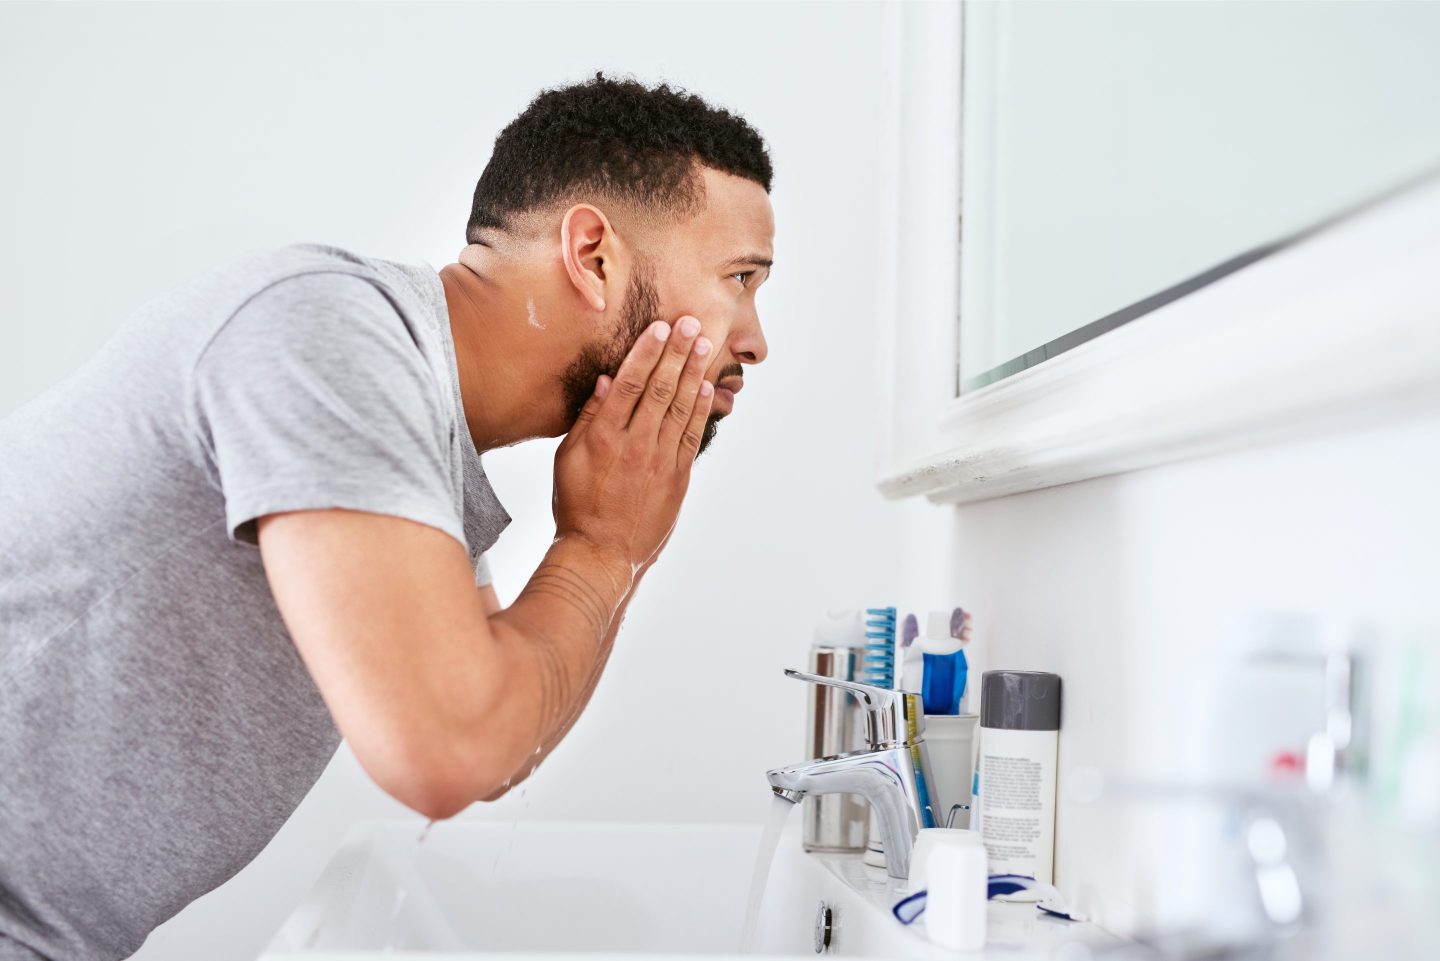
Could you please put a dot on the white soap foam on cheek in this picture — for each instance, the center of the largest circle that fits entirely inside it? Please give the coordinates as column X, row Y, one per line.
column 530, row 316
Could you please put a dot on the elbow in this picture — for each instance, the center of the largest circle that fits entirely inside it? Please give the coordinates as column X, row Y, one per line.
column 438, row 762
column 441, row 777
column 436, row 802
column 437, row 792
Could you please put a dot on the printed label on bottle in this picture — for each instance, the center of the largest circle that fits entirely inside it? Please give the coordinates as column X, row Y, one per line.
column 1015, row 801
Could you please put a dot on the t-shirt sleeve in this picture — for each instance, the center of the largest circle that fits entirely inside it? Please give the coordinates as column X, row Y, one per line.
column 314, row 395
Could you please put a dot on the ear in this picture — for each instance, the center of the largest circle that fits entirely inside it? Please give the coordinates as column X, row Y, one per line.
column 587, row 247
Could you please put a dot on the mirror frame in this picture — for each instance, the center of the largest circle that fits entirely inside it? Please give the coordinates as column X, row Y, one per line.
column 1338, row 330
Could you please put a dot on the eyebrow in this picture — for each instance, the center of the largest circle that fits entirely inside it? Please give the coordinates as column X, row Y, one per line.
column 749, row 260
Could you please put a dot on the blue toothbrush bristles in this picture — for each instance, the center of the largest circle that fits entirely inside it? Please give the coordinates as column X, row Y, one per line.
column 878, row 667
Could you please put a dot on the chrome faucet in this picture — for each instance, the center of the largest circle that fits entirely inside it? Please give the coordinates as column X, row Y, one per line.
column 892, row 772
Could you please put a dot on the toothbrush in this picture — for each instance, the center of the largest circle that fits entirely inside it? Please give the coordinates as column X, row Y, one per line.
column 879, row 662
column 880, row 671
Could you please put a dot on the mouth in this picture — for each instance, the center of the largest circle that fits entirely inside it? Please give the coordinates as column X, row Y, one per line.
column 727, row 388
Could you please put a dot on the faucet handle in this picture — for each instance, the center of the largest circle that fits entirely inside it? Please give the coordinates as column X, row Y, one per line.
column 886, row 711
column 869, row 696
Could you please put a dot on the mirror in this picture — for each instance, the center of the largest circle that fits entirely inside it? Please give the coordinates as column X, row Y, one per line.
column 1117, row 155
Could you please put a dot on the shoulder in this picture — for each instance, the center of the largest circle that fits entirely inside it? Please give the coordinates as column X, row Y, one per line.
column 295, row 269
column 325, row 327
column 314, row 291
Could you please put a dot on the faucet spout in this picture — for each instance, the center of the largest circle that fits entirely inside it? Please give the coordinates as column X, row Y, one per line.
column 794, row 797
column 891, row 773
column 892, row 780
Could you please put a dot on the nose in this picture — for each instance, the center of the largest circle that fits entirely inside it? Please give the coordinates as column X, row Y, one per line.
column 747, row 341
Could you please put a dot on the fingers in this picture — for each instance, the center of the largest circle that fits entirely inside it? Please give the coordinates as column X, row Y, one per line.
column 631, row 380
column 695, row 428
column 588, row 412
column 660, row 393
column 692, row 375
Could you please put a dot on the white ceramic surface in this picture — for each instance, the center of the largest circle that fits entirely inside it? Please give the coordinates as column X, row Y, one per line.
column 490, row 889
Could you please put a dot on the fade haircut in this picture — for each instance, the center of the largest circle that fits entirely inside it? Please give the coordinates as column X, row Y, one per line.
column 635, row 151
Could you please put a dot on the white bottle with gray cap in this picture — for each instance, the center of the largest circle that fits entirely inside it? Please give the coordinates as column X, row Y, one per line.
column 1014, row 785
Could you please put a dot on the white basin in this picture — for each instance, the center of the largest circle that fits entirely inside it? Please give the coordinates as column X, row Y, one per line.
column 481, row 889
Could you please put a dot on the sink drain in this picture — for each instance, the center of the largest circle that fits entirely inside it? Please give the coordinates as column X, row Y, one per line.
column 824, row 924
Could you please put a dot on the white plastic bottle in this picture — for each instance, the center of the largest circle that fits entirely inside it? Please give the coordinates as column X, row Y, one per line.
column 1014, row 804
column 955, row 877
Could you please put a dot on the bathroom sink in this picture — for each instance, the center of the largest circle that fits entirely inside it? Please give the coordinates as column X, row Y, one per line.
column 481, row 889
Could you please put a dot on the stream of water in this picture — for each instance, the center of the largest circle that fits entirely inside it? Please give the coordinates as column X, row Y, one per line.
column 779, row 810
column 406, row 882
column 412, row 869
column 504, row 850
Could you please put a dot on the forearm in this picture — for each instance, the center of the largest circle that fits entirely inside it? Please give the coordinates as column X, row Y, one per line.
column 552, row 643
column 580, row 702
column 577, row 705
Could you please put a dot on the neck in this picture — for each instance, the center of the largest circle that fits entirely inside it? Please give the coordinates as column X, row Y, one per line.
column 501, row 353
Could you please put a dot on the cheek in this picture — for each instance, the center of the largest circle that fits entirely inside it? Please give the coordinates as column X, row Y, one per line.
column 718, row 334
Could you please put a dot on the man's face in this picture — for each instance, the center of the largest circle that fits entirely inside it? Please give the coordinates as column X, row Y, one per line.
column 706, row 272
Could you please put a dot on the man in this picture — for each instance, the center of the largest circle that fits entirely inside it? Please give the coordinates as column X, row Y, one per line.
column 255, row 522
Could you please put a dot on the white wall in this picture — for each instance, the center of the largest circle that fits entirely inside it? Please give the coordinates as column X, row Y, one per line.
column 145, row 143
column 1145, row 590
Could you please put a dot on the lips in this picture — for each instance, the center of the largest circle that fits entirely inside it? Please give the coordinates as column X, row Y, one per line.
column 732, row 384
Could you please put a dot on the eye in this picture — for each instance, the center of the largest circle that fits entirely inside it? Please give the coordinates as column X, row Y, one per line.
column 743, row 274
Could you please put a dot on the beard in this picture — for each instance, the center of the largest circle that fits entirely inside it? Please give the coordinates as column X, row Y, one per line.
column 640, row 310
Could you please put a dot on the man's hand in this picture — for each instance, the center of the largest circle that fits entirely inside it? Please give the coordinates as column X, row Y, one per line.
column 623, row 470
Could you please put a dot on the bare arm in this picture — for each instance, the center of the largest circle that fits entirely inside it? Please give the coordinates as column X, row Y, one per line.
column 439, row 702
column 443, row 701
column 533, row 762
column 489, row 600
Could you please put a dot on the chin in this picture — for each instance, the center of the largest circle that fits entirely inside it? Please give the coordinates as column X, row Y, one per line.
column 707, row 437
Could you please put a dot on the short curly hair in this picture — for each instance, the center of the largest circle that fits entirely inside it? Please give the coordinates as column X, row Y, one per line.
column 612, row 140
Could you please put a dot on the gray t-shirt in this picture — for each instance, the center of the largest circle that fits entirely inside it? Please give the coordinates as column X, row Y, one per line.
column 157, row 725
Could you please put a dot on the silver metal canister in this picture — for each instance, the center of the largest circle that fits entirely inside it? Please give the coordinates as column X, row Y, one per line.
column 833, row 822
